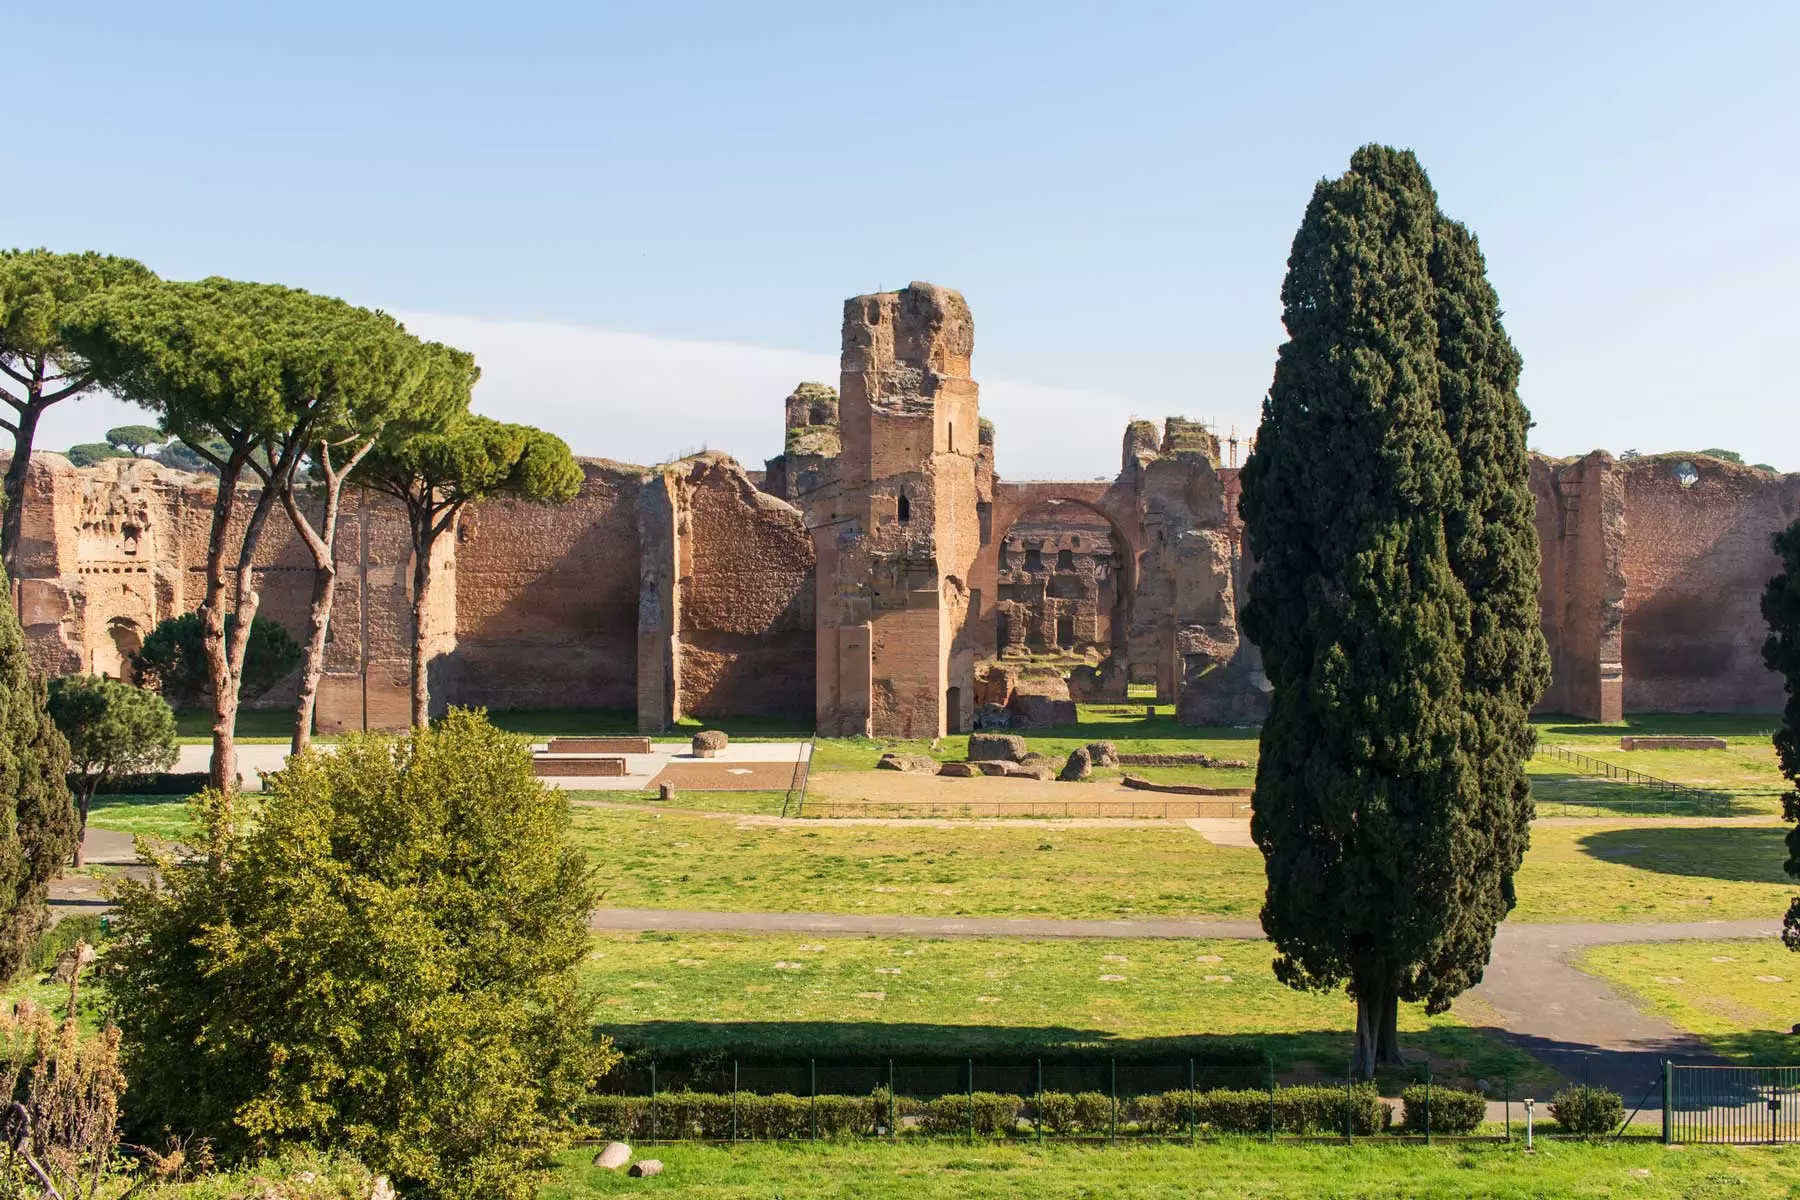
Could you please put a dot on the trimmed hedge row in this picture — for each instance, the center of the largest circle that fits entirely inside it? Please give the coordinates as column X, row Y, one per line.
column 709, row 1116
column 1451, row 1111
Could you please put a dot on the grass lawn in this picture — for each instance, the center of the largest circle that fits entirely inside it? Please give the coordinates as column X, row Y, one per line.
column 156, row 816
column 767, row 803
column 1743, row 997
column 1652, row 873
column 1573, row 873
column 874, row 1171
column 194, row 726
column 802, row 996
column 657, row 860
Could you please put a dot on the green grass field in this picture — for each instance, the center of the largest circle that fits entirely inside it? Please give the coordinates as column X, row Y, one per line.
column 654, row 860
column 1743, row 997
column 688, row 995
column 872, row 1171
column 153, row 816
column 1573, row 873
column 766, row 803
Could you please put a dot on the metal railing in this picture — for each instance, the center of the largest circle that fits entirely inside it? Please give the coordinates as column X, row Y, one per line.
column 802, row 775
column 1600, row 768
column 1731, row 1104
column 1163, row 808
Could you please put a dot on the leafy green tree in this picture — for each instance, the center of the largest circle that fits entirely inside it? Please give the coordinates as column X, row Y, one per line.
column 178, row 457
column 1384, row 508
column 135, row 440
column 436, row 474
column 37, row 291
column 86, row 454
column 389, row 380
column 38, row 832
column 113, row 729
column 253, row 366
column 383, row 959
column 172, row 660
column 1781, row 609
column 1731, row 456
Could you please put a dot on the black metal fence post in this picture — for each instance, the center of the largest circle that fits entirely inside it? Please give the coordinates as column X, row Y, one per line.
column 813, row 1111
column 734, row 1092
column 971, row 1100
column 1271, row 1074
column 1038, row 1123
column 653, row 1129
column 1428, row 1106
column 1193, row 1107
column 1668, row 1103
column 893, row 1105
column 1113, row 1135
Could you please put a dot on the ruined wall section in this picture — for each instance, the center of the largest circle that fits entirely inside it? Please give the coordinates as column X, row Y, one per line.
column 901, row 527
column 1695, row 564
column 547, row 598
column 1582, row 528
column 746, row 605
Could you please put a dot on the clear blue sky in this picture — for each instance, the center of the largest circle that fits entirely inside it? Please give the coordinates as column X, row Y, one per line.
column 1114, row 187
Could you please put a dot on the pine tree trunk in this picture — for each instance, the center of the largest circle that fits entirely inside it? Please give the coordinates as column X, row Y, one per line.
column 85, row 801
column 12, row 525
column 222, row 771
column 422, row 581
column 323, row 545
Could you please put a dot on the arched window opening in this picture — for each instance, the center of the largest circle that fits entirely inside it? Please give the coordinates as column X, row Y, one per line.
column 905, row 510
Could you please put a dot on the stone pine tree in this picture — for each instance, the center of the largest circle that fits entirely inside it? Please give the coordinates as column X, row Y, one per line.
column 388, row 378
column 1387, row 867
column 1781, row 609
column 435, row 474
column 245, row 374
column 37, row 290
column 37, row 818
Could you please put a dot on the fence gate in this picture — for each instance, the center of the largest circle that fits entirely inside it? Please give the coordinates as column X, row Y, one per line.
column 1731, row 1104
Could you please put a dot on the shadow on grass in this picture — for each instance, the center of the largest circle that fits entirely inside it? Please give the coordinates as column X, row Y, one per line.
column 1664, row 724
column 579, row 722
column 1741, row 854
column 700, row 1053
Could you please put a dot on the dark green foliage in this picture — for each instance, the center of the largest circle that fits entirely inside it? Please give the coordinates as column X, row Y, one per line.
column 1450, row 1111
column 86, row 454
column 986, row 1114
column 179, row 457
column 1588, row 1110
column 1394, row 602
column 37, row 819
column 1781, row 653
column 709, row 1116
column 51, row 944
column 39, row 367
column 113, row 730
column 381, row 957
column 135, row 440
column 172, row 660
column 1731, row 456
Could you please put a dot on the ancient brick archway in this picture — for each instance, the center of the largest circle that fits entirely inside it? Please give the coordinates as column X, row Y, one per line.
column 1115, row 502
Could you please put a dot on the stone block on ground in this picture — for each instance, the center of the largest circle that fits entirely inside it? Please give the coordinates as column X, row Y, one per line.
column 922, row 764
column 993, row 766
column 1103, row 754
column 643, row 1168
column 665, row 792
column 1032, row 758
column 1042, row 771
column 992, row 716
column 960, row 770
column 613, row 1155
column 1007, row 747
column 708, row 743
column 1032, row 711
column 1079, row 767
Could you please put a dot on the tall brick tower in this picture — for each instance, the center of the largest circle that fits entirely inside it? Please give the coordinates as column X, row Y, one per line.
column 898, row 537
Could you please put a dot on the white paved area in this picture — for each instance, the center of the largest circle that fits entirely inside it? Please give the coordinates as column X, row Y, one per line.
column 640, row 769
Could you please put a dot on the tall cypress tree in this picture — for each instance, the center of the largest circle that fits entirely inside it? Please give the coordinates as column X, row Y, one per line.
column 1394, row 603
column 37, row 820
column 1781, row 609
column 1493, row 546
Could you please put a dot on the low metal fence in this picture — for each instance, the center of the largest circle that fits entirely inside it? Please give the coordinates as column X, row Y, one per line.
column 1093, row 1100
column 1601, row 769
column 1162, row 808
column 1731, row 1104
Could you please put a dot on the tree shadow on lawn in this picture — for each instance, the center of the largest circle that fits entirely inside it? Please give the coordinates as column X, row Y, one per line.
column 1742, row 854
column 1726, row 725
column 704, row 1054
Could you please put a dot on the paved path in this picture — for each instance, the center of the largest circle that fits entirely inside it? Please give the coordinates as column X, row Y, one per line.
column 1531, row 994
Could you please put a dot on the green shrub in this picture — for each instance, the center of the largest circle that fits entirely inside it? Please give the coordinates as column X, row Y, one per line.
column 993, row 1113
column 1587, row 1110
column 710, row 1116
column 380, row 955
column 62, row 936
column 1451, row 1111
column 172, row 660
